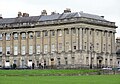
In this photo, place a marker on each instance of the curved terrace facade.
(64, 40)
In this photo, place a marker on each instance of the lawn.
(91, 79)
(46, 72)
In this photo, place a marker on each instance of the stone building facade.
(118, 51)
(69, 39)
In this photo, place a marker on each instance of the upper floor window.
(38, 49)
(60, 46)
(104, 47)
(67, 31)
(45, 48)
(97, 32)
(52, 48)
(104, 34)
(109, 34)
(0, 36)
(23, 36)
(30, 50)
(15, 36)
(53, 33)
(74, 31)
(90, 32)
(30, 35)
(85, 31)
(97, 45)
(8, 50)
(0, 50)
(59, 33)
(15, 50)
(46, 33)
(7, 36)
(23, 50)
(37, 34)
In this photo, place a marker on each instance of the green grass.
(44, 72)
(91, 79)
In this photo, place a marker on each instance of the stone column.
(113, 43)
(42, 42)
(71, 41)
(63, 38)
(77, 39)
(12, 44)
(88, 40)
(4, 48)
(27, 47)
(102, 41)
(56, 41)
(81, 39)
(107, 41)
(34, 43)
(49, 41)
(19, 48)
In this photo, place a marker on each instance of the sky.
(110, 9)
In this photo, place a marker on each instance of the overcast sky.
(108, 8)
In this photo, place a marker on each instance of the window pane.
(7, 50)
(60, 46)
(46, 33)
(59, 33)
(23, 36)
(53, 33)
(67, 31)
(15, 36)
(30, 50)
(0, 50)
(7, 36)
(23, 50)
(15, 50)
(45, 48)
(37, 34)
(0, 36)
(52, 48)
(38, 49)
(74, 31)
(30, 35)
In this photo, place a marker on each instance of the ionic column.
(49, 41)
(19, 43)
(11, 44)
(34, 43)
(27, 47)
(93, 40)
(88, 41)
(42, 41)
(77, 39)
(4, 44)
(27, 43)
(3, 48)
(63, 38)
(80, 39)
(71, 41)
(56, 40)
(19, 48)
(107, 41)
(113, 43)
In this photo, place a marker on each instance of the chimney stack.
(1, 16)
(19, 14)
(67, 10)
(102, 16)
(25, 15)
(44, 12)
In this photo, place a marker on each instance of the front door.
(52, 63)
